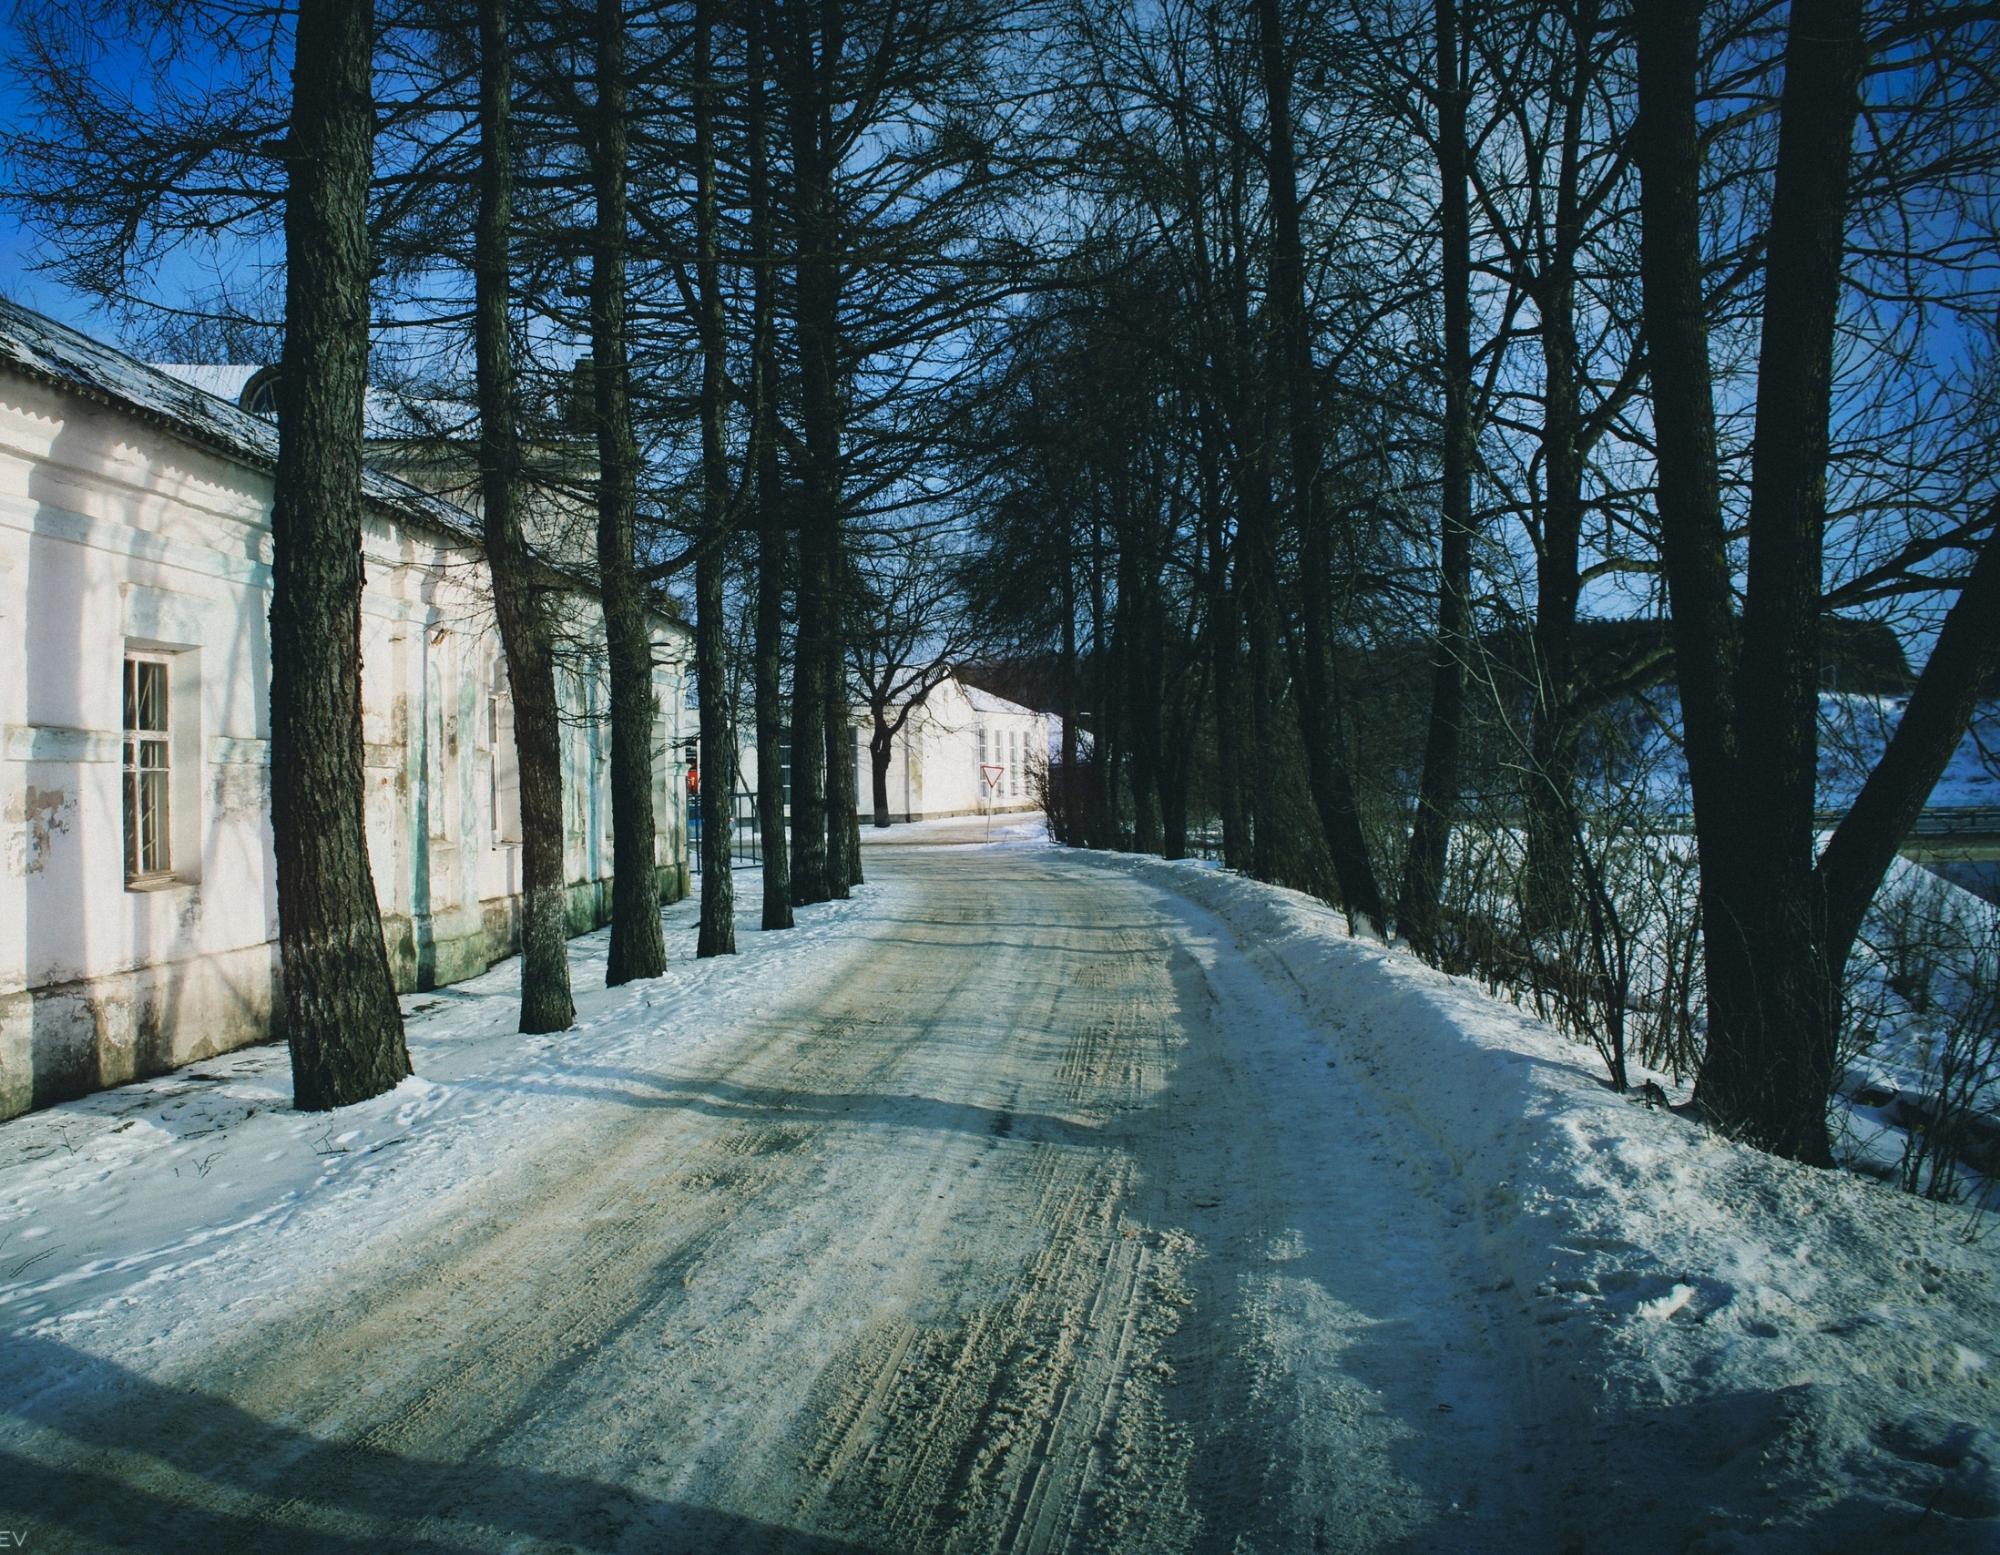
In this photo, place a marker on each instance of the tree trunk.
(1102, 805)
(1438, 789)
(1257, 588)
(1317, 696)
(717, 934)
(842, 871)
(520, 602)
(1750, 714)
(881, 746)
(769, 693)
(817, 291)
(638, 948)
(1177, 719)
(1065, 806)
(1139, 688)
(1225, 654)
(809, 726)
(341, 1016)
(768, 674)
(843, 803)
(1549, 896)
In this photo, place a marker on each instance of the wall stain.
(35, 818)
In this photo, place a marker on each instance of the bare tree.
(341, 1017)
(1778, 924)
(638, 948)
(919, 631)
(717, 935)
(520, 588)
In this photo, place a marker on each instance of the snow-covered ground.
(1029, 1200)
(1784, 1358)
(161, 1211)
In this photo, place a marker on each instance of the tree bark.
(1225, 655)
(717, 934)
(1438, 789)
(881, 749)
(638, 947)
(1750, 712)
(1548, 898)
(1139, 666)
(809, 726)
(842, 869)
(1065, 802)
(817, 293)
(1101, 824)
(772, 550)
(520, 601)
(1257, 589)
(341, 1018)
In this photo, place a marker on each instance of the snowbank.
(1786, 1359)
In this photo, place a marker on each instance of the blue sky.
(19, 248)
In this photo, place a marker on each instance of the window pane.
(147, 758)
(131, 824)
(152, 822)
(149, 702)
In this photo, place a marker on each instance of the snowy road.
(1027, 1222)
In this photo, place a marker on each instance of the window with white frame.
(148, 768)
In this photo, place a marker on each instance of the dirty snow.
(1776, 1357)
(1028, 1200)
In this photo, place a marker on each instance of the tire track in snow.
(1025, 1230)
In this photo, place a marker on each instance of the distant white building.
(958, 752)
(138, 906)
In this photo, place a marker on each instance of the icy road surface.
(1013, 1207)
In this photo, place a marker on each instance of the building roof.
(385, 417)
(225, 380)
(987, 702)
(40, 348)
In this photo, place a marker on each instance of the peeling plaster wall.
(116, 536)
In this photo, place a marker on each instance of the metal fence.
(746, 842)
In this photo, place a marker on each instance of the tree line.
(1283, 393)
(1393, 339)
(727, 242)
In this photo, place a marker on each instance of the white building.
(962, 749)
(138, 906)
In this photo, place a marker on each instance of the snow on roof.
(385, 416)
(41, 348)
(987, 702)
(225, 380)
